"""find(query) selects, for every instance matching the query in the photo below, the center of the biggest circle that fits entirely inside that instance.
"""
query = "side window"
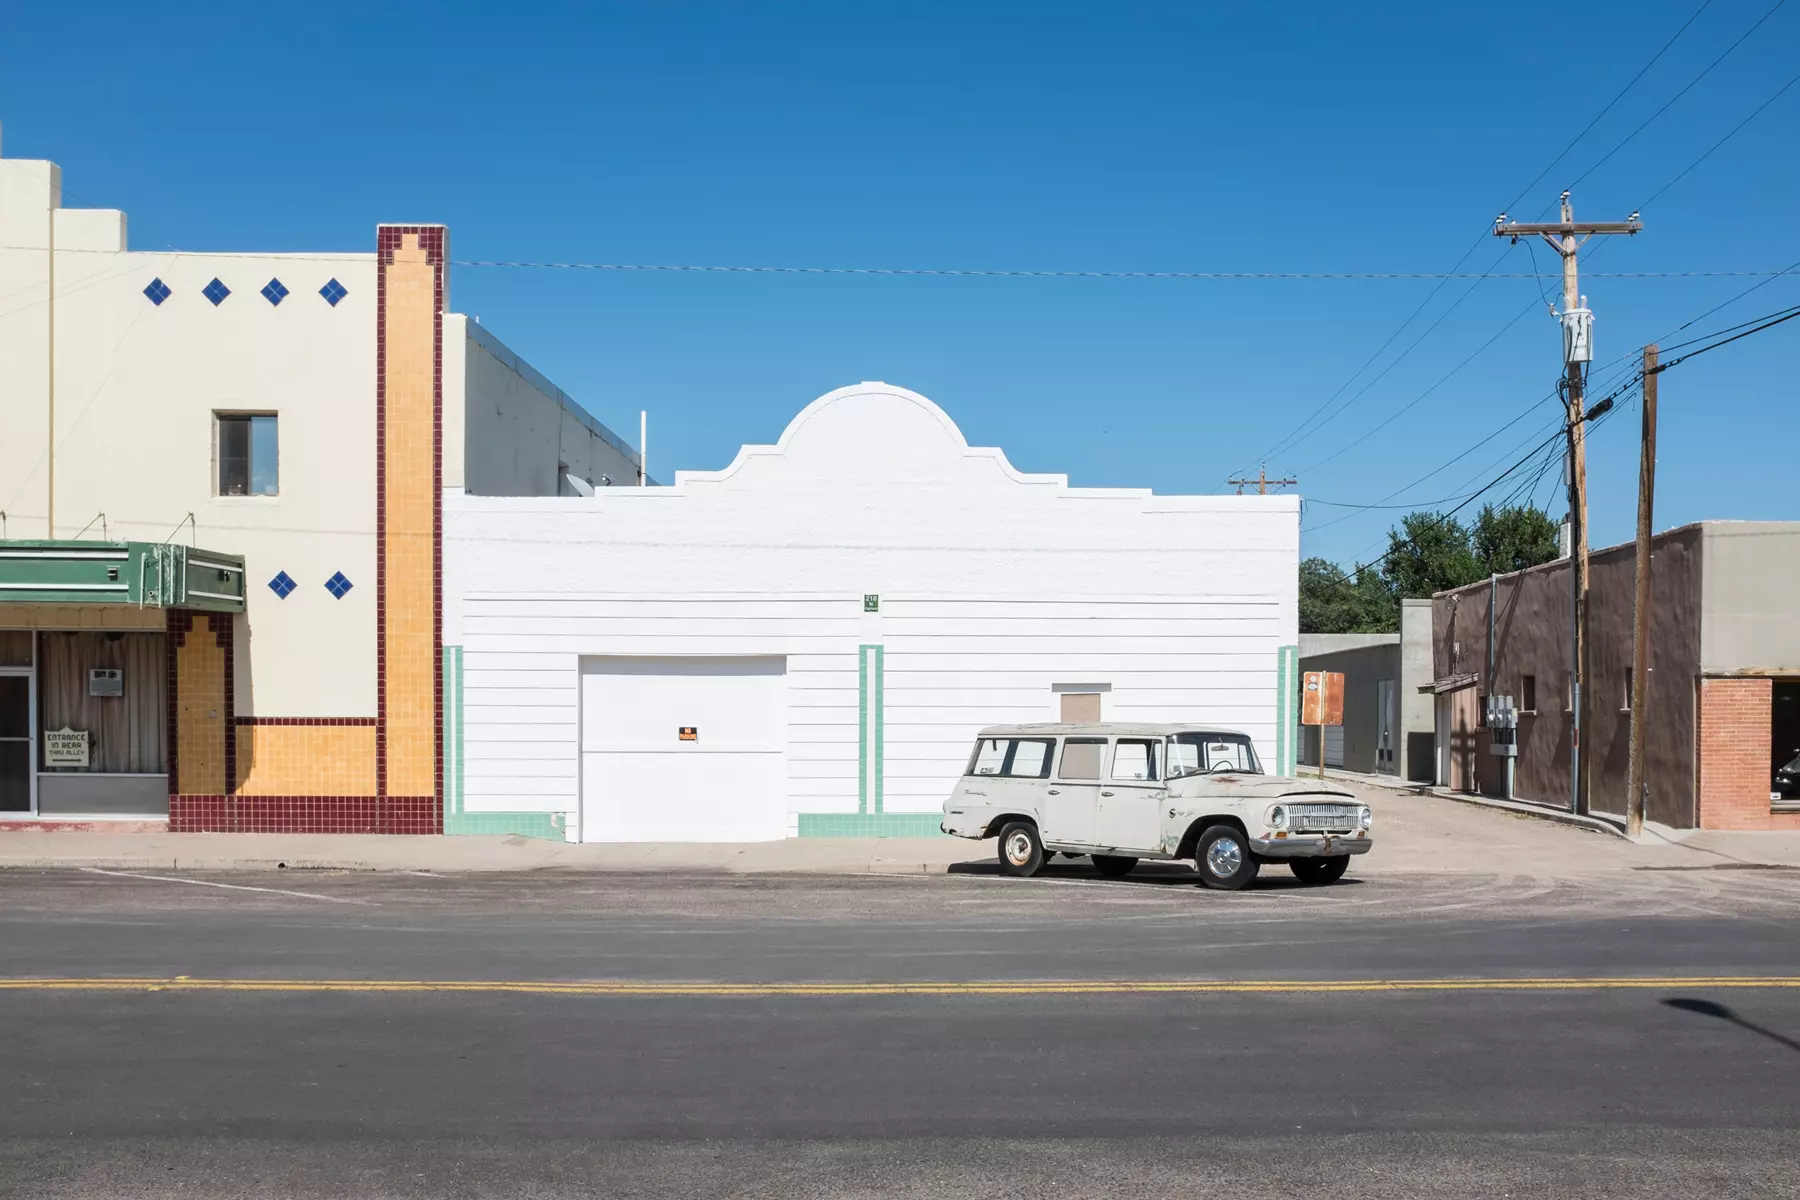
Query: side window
(1184, 757)
(248, 455)
(1031, 759)
(1134, 760)
(1081, 758)
(989, 756)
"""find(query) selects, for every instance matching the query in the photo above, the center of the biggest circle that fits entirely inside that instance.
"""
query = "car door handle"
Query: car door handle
(1056, 791)
(1106, 793)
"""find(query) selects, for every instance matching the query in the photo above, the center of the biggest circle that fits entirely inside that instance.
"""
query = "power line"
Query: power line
(1294, 438)
(1779, 92)
(947, 272)
(1588, 128)
(1420, 398)
(1678, 95)
(1677, 361)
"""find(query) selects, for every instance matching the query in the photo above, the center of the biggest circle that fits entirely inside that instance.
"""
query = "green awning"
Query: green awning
(145, 574)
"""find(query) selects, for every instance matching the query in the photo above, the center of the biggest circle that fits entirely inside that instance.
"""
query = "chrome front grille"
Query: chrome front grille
(1322, 818)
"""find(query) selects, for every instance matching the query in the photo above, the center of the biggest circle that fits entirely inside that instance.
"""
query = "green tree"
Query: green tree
(1513, 538)
(1333, 601)
(1429, 553)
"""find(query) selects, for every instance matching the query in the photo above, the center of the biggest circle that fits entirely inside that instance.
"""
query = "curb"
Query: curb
(1521, 808)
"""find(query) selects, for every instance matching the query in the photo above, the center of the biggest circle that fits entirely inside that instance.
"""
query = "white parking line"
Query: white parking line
(235, 887)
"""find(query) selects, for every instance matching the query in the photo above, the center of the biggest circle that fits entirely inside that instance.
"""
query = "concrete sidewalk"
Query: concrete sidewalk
(376, 852)
(1413, 833)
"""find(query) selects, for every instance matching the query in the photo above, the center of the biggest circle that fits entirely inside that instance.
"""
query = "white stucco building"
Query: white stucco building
(285, 422)
(806, 642)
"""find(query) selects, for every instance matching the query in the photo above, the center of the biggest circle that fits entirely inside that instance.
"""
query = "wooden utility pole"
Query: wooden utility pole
(1262, 481)
(1637, 794)
(1567, 237)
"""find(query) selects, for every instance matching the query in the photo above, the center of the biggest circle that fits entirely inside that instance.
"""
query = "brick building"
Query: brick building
(1723, 697)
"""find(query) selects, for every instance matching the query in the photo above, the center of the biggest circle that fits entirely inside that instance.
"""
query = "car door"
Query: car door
(1074, 792)
(1132, 796)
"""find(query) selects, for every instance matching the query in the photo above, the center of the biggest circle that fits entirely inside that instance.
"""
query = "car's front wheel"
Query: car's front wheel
(1315, 871)
(1021, 849)
(1114, 866)
(1224, 858)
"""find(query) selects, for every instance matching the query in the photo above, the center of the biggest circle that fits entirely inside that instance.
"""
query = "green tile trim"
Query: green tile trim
(1287, 694)
(871, 824)
(490, 824)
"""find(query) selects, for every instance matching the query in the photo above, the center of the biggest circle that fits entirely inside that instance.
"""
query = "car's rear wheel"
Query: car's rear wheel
(1224, 859)
(1114, 866)
(1021, 849)
(1315, 871)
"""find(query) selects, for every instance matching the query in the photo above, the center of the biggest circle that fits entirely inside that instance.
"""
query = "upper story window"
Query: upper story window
(249, 457)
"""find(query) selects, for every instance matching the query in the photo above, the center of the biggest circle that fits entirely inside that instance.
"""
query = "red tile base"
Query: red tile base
(305, 814)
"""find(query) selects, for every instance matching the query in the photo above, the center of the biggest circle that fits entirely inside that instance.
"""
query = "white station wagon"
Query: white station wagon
(1125, 792)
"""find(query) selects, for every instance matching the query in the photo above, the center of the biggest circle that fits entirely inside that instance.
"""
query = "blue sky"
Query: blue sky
(1156, 137)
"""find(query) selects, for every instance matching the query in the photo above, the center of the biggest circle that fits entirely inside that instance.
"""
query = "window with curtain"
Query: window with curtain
(126, 733)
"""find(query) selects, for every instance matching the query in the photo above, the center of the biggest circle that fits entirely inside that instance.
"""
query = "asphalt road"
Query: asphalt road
(307, 1054)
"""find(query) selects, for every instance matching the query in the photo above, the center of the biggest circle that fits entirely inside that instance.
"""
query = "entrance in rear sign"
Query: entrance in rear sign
(646, 773)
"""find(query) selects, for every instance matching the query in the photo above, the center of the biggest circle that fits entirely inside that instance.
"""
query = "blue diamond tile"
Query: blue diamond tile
(158, 291)
(337, 585)
(274, 292)
(216, 292)
(282, 584)
(333, 291)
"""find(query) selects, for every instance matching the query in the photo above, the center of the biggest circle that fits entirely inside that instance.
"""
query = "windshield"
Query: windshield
(1209, 753)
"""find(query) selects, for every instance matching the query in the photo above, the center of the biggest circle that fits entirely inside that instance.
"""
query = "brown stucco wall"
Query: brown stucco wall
(1532, 638)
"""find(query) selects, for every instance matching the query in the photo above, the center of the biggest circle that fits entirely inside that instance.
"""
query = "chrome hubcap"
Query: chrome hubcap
(1018, 849)
(1224, 857)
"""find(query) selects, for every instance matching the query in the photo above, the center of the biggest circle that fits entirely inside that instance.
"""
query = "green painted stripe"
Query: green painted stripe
(456, 819)
(1287, 684)
(871, 824)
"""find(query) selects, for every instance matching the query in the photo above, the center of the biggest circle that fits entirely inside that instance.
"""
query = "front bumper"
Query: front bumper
(1312, 845)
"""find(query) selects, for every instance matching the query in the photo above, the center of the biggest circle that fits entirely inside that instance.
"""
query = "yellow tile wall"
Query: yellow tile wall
(410, 347)
(200, 713)
(306, 760)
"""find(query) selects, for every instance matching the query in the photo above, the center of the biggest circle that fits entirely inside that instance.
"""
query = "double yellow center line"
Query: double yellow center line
(988, 987)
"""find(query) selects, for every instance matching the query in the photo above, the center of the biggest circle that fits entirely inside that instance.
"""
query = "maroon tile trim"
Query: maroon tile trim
(225, 634)
(176, 626)
(364, 721)
(383, 249)
(304, 814)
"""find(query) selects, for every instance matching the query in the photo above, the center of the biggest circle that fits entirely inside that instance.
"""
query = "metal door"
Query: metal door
(1073, 796)
(17, 748)
(1132, 797)
(1384, 726)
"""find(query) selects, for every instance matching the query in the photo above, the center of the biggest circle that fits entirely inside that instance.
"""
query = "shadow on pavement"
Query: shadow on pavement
(1711, 1008)
(1144, 875)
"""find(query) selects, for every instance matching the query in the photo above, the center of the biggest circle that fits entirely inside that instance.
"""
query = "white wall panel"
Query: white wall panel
(994, 585)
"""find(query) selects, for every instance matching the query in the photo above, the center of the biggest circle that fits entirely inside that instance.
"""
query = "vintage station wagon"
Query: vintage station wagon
(1125, 792)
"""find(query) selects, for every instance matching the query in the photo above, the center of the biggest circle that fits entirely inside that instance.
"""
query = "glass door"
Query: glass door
(15, 742)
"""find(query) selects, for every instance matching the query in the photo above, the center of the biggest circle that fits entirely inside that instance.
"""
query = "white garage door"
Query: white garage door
(683, 749)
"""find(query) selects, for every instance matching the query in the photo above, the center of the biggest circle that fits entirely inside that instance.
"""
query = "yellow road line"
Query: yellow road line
(1047, 987)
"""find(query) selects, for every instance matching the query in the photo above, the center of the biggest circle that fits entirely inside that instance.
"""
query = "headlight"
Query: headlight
(1366, 817)
(1278, 817)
